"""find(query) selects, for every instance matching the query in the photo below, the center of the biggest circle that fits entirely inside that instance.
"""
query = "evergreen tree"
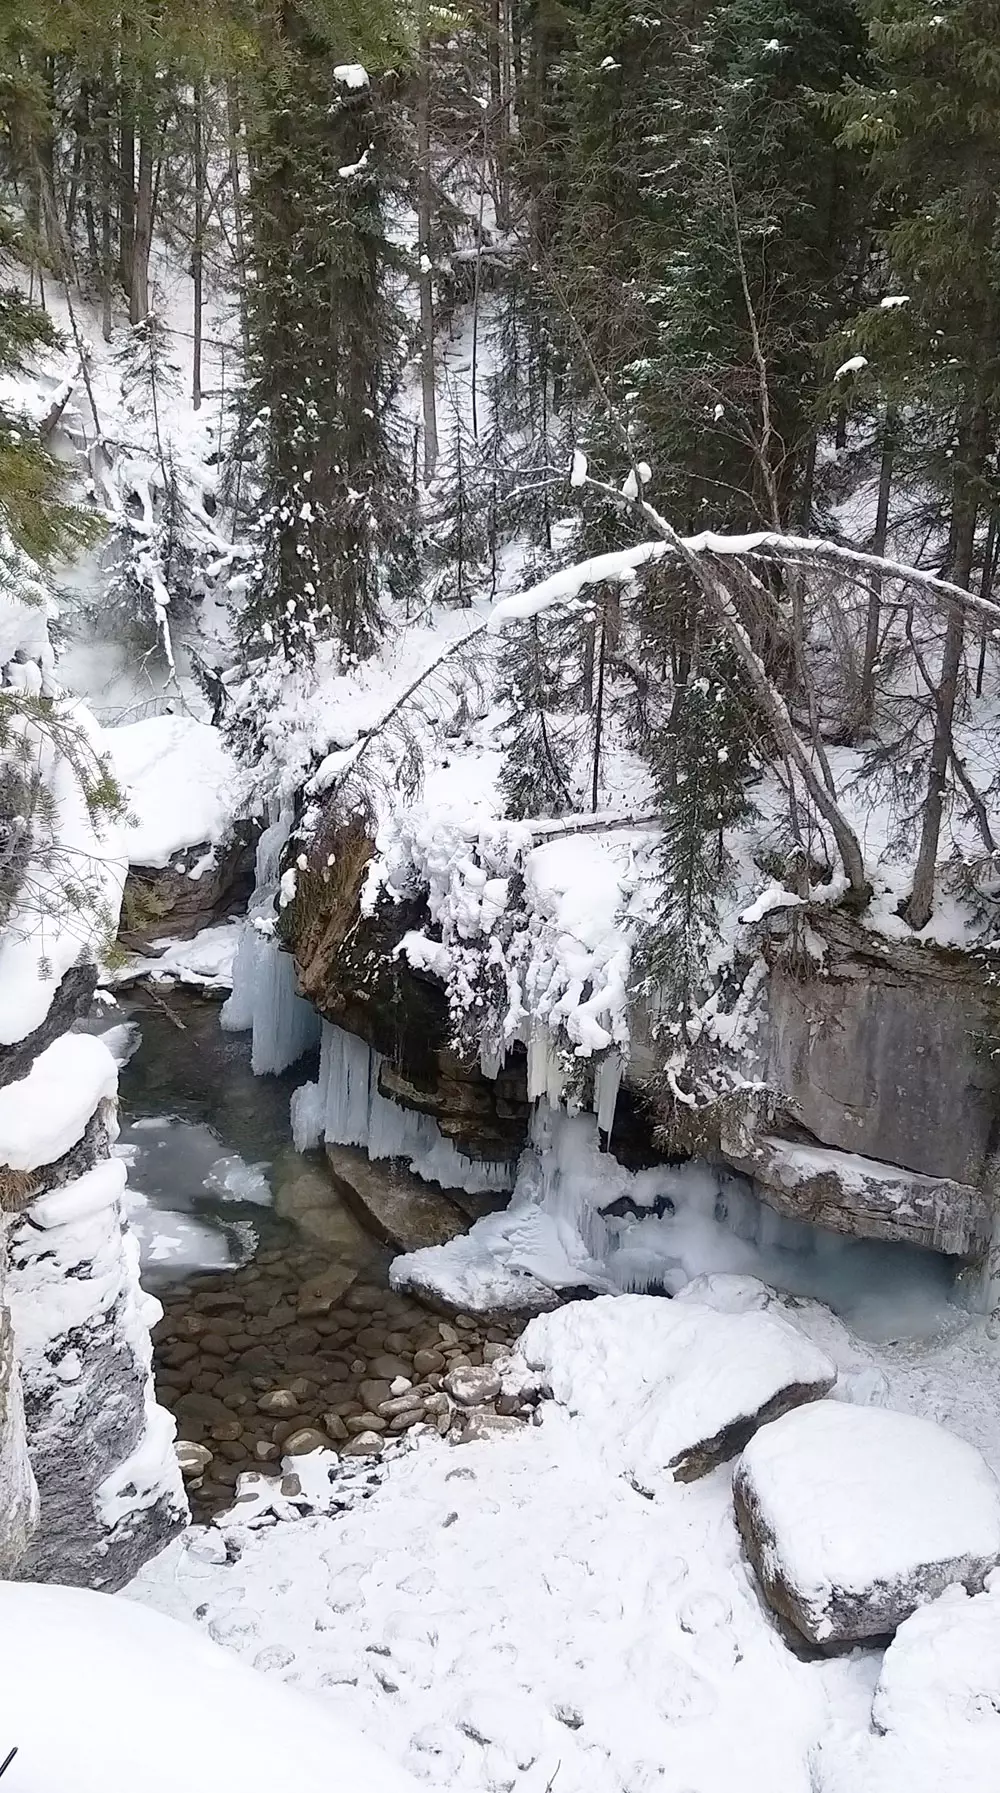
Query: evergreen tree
(326, 353)
(931, 130)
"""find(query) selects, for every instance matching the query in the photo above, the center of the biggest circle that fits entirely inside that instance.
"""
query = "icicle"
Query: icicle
(355, 1112)
(545, 1075)
(607, 1083)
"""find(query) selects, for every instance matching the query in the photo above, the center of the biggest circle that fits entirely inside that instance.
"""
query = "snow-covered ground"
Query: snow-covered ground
(517, 1614)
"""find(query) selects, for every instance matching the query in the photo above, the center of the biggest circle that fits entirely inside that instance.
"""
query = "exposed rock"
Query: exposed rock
(279, 1401)
(862, 1197)
(193, 1459)
(855, 1516)
(167, 902)
(397, 1206)
(308, 1438)
(482, 1424)
(18, 1494)
(366, 1444)
(472, 1387)
(70, 1002)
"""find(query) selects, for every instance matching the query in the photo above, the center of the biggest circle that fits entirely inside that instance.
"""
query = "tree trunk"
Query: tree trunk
(126, 188)
(138, 309)
(197, 246)
(239, 236)
(985, 588)
(965, 511)
(866, 707)
(426, 275)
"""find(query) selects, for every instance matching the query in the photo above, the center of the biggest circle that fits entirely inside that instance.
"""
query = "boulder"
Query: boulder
(399, 1207)
(855, 1516)
(673, 1389)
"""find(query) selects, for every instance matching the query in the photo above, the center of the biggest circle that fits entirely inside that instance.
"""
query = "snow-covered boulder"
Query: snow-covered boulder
(180, 781)
(854, 1516)
(675, 1388)
(102, 1695)
(936, 1712)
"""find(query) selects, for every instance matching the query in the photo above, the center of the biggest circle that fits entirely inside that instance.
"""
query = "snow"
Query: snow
(773, 898)
(935, 1711)
(181, 783)
(695, 1372)
(205, 962)
(857, 1497)
(351, 74)
(88, 1679)
(70, 894)
(853, 366)
(45, 1113)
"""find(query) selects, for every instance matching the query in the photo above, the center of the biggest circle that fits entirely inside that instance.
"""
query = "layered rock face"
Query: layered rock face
(109, 1493)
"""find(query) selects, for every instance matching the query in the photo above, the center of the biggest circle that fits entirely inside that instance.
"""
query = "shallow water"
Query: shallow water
(213, 1174)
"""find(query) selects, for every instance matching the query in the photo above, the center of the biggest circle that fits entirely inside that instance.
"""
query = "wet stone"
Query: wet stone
(279, 1400)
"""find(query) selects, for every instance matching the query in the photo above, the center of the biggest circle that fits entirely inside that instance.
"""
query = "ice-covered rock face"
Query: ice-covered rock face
(854, 1517)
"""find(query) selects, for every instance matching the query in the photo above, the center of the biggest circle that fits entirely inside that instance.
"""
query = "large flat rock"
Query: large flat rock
(853, 1517)
(398, 1207)
(862, 1197)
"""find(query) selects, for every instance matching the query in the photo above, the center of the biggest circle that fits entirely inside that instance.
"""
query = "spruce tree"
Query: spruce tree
(326, 342)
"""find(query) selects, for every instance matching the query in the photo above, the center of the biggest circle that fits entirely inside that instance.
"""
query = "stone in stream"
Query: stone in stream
(202, 1407)
(279, 1400)
(426, 1362)
(306, 1439)
(335, 1427)
(193, 1459)
(388, 1367)
(215, 1345)
(373, 1392)
(365, 1422)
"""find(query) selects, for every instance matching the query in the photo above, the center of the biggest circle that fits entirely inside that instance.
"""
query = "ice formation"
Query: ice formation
(264, 1000)
(578, 1219)
(346, 1107)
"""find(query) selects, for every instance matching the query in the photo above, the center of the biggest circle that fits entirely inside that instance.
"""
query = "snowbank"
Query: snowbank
(44, 1114)
(88, 1679)
(181, 784)
(936, 1712)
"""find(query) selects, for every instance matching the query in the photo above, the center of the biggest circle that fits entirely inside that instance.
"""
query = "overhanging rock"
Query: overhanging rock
(863, 1197)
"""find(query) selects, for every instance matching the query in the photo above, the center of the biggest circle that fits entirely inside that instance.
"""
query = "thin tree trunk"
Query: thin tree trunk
(985, 588)
(198, 246)
(921, 899)
(873, 624)
(239, 237)
(595, 786)
(426, 274)
(138, 309)
(126, 187)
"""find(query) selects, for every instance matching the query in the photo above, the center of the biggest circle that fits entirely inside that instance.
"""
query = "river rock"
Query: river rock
(854, 1516)
(480, 1425)
(193, 1459)
(427, 1362)
(279, 1400)
(472, 1386)
(374, 1391)
(366, 1444)
(388, 1368)
(365, 1422)
(335, 1427)
(306, 1439)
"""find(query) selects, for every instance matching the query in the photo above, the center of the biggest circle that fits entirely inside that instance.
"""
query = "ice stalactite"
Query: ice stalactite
(265, 1001)
(346, 1107)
